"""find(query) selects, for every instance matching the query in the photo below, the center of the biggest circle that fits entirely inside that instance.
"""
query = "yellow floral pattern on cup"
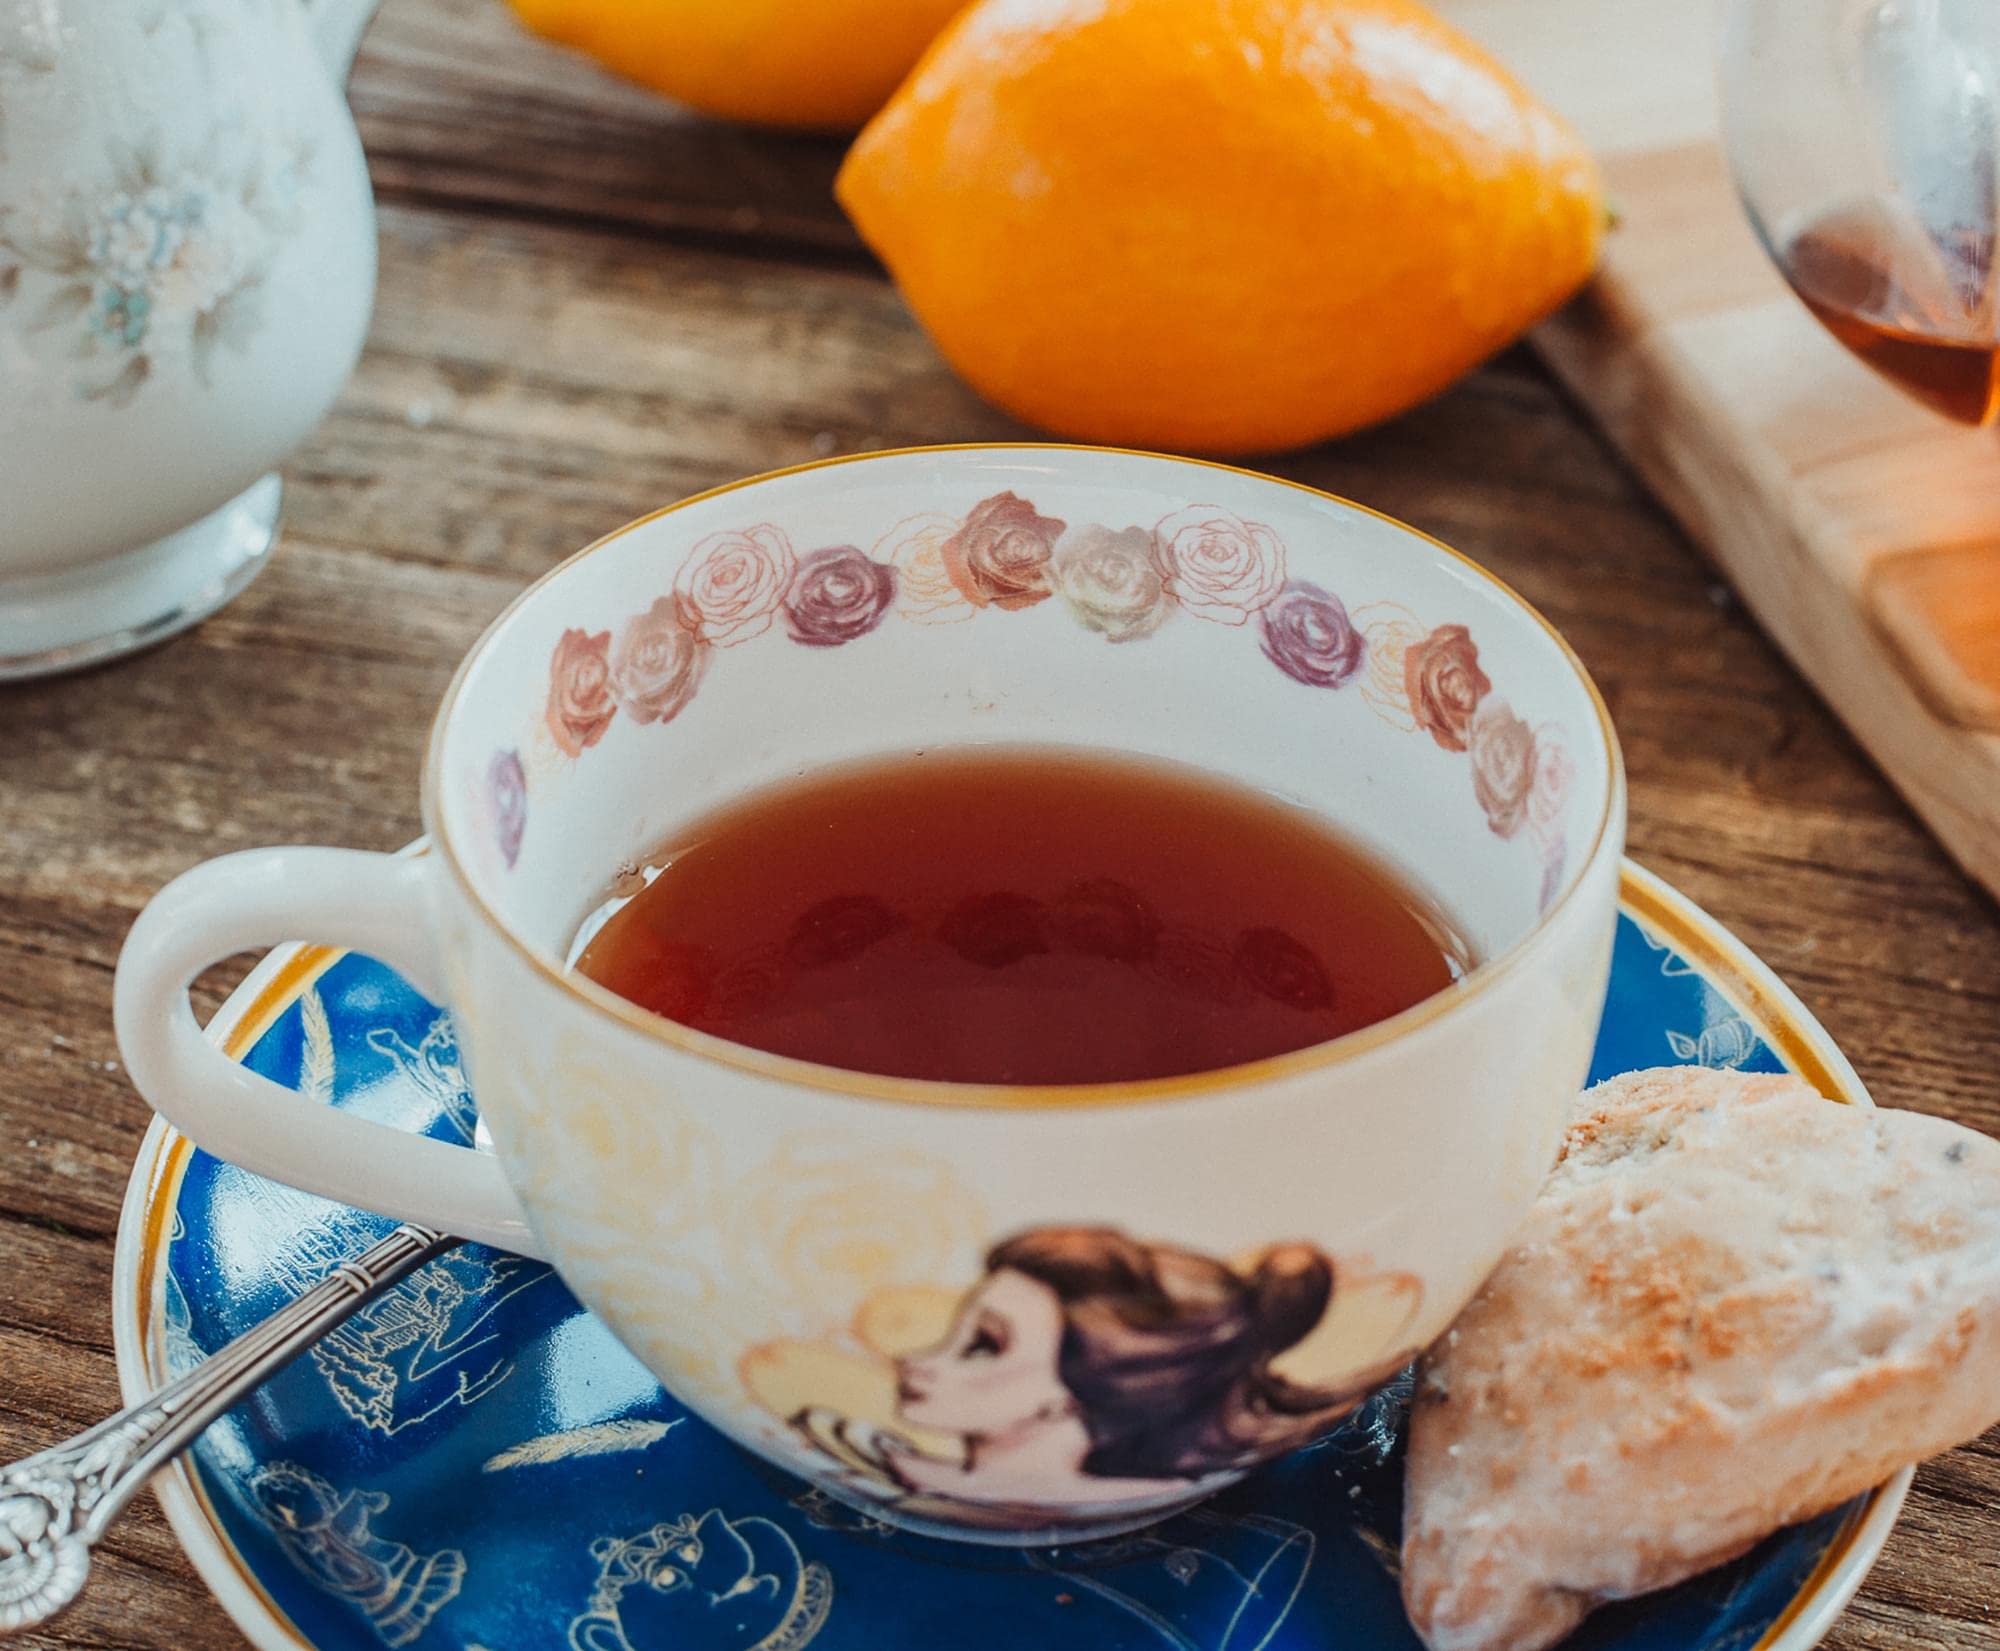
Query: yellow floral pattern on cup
(633, 1244)
(825, 1226)
(668, 1156)
(673, 1314)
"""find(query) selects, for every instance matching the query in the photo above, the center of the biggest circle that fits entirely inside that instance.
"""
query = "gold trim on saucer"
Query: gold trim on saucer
(279, 993)
(1821, 1574)
(1665, 911)
(297, 972)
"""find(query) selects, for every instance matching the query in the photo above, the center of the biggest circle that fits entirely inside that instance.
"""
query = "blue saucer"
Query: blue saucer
(473, 1463)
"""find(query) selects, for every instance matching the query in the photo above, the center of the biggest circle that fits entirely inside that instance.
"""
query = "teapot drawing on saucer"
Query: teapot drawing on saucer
(187, 264)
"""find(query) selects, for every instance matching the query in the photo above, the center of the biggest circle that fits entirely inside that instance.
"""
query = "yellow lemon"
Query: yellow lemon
(1218, 225)
(821, 64)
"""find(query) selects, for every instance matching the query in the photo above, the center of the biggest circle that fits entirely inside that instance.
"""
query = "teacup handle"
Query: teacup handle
(374, 903)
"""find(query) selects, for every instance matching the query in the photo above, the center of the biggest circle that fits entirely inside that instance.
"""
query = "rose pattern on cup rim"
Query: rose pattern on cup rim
(1217, 565)
(1388, 629)
(1444, 685)
(1109, 581)
(1309, 637)
(732, 583)
(925, 592)
(29, 47)
(656, 663)
(507, 796)
(837, 594)
(999, 557)
(580, 705)
(1502, 748)
(1121, 584)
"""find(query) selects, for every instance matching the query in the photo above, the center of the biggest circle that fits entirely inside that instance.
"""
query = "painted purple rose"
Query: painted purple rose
(837, 594)
(507, 797)
(1309, 637)
(656, 664)
(1555, 857)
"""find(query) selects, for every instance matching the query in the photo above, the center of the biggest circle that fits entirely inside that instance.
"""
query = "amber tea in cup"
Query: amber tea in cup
(1020, 917)
(779, 1241)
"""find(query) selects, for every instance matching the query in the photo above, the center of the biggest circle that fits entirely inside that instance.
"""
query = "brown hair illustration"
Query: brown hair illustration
(1168, 1353)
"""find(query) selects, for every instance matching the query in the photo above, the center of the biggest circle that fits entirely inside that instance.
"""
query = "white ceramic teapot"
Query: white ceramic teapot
(187, 263)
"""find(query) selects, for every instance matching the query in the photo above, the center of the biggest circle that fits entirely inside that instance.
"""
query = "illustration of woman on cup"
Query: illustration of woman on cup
(1089, 1369)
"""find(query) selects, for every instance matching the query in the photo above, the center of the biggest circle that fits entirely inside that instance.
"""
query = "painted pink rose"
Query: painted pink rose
(1445, 684)
(1555, 775)
(836, 595)
(1109, 581)
(1309, 637)
(656, 664)
(1218, 565)
(1503, 765)
(1548, 806)
(1000, 554)
(507, 799)
(580, 704)
(732, 583)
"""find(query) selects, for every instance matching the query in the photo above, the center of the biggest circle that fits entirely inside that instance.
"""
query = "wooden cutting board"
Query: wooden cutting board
(1862, 529)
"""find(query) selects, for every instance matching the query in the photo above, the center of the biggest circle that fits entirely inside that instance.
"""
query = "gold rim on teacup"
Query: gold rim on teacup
(867, 1086)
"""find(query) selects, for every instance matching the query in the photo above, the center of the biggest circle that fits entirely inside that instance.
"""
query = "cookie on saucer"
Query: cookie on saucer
(1735, 1305)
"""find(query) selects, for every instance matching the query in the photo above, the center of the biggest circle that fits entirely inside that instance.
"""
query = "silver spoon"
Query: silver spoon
(55, 1505)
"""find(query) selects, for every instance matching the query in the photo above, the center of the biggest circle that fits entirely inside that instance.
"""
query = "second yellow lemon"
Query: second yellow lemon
(824, 64)
(1219, 225)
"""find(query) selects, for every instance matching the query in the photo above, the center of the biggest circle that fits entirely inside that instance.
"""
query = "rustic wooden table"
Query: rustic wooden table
(591, 304)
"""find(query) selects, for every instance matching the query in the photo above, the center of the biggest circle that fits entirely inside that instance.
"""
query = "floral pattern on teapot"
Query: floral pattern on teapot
(160, 259)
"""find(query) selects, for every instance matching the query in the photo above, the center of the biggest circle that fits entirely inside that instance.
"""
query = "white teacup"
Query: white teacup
(1012, 1314)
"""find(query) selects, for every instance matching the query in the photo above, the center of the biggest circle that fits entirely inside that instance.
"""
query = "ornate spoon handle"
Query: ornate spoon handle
(55, 1505)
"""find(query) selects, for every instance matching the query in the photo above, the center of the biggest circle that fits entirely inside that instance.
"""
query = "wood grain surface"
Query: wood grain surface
(591, 304)
(1840, 508)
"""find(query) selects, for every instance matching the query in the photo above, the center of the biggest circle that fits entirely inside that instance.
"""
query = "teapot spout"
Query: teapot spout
(337, 26)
